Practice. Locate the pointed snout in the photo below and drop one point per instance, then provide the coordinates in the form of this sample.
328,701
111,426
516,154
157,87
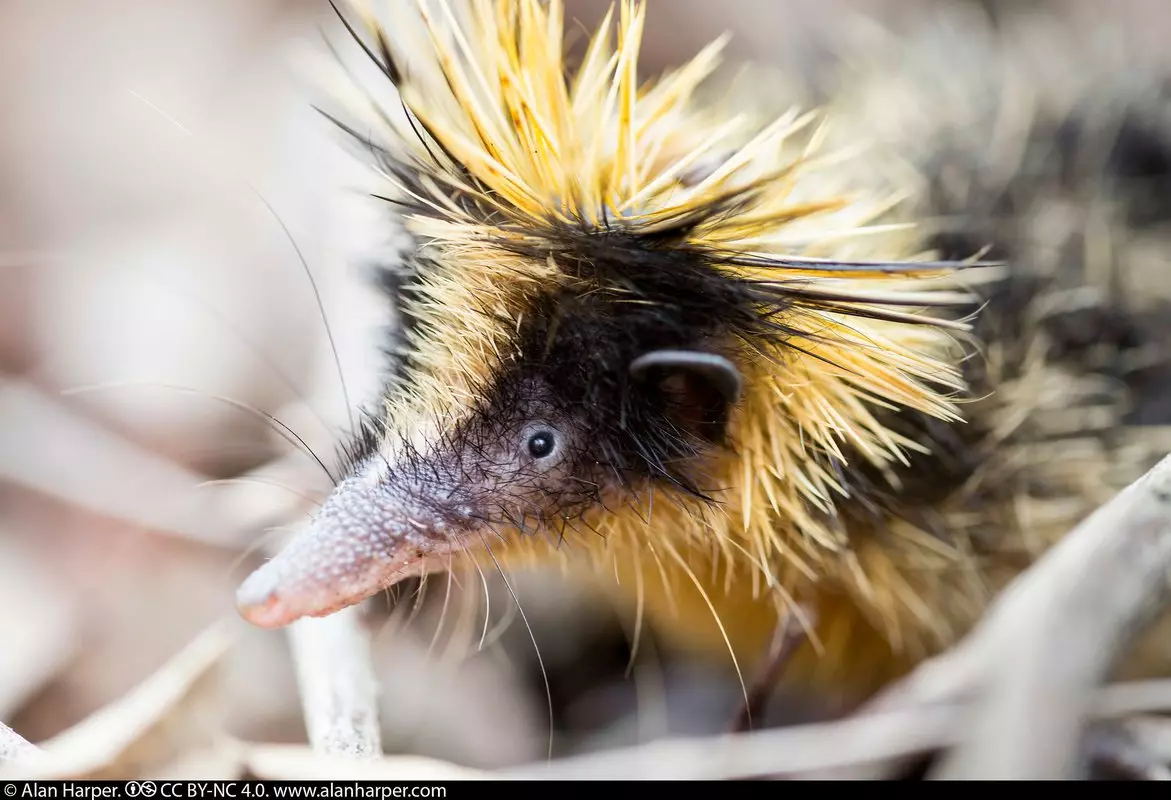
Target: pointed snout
363,540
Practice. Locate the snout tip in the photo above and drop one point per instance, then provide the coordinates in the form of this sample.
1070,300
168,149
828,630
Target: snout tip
358,544
259,602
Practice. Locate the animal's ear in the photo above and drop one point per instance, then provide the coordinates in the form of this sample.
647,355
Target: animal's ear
700,388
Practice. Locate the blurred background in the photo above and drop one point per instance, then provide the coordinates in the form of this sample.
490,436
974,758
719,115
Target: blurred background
164,182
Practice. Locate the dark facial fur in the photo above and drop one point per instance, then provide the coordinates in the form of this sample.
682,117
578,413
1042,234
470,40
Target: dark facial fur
523,457
612,432
564,425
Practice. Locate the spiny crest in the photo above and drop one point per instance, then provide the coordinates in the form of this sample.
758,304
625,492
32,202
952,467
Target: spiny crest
495,141
510,167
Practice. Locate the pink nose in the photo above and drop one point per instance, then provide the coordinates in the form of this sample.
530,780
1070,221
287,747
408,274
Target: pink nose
360,542
259,602
321,571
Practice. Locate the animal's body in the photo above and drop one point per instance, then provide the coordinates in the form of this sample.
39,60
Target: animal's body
708,356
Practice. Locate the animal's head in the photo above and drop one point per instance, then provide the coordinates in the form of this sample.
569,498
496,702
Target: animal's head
613,312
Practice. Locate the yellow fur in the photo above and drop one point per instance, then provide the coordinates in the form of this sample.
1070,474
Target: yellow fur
603,144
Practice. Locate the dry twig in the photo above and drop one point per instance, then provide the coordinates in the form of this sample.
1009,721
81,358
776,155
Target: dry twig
338,689
1058,629
104,473
170,712
1134,697
782,751
867,745
14,747
950,678
339,692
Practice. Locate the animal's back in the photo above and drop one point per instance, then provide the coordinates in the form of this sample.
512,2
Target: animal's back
1022,145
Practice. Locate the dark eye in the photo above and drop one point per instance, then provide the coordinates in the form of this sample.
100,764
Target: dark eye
541,444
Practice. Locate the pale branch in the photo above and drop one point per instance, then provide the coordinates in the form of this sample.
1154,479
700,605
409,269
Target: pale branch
14,747
339,693
950,678
335,675
1134,697
104,473
870,745
1052,637
776,752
